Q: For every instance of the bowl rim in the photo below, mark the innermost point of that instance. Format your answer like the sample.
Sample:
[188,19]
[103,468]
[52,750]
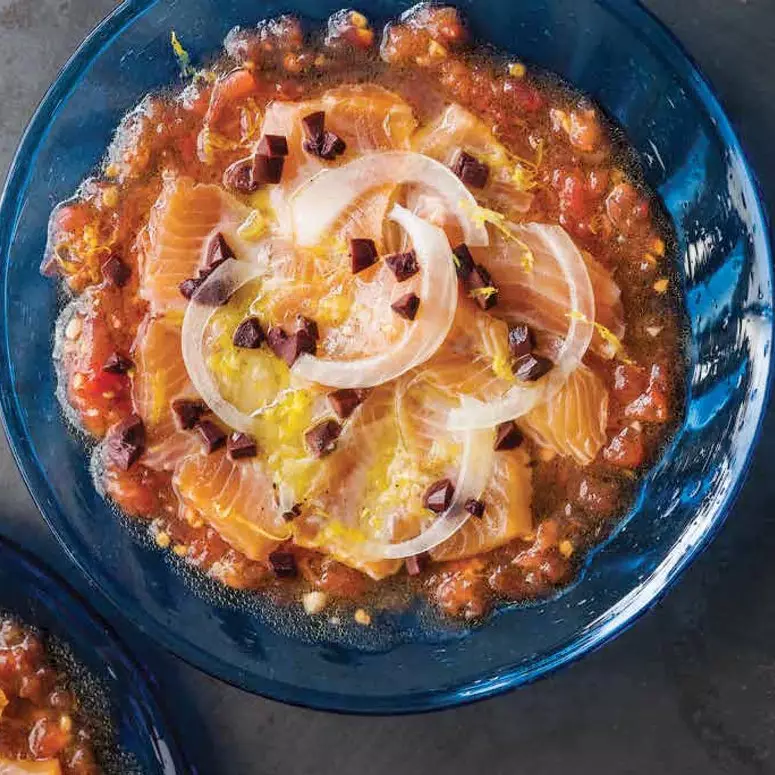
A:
[149,708]
[114,597]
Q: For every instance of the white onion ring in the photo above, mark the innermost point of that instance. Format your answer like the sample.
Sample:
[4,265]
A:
[476,464]
[316,205]
[438,302]
[521,399]
[232,275]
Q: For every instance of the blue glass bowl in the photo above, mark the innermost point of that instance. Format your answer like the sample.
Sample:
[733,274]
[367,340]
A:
[612,49]
[43,600]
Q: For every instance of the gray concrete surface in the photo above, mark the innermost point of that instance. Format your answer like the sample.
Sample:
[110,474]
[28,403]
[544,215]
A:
[689,691]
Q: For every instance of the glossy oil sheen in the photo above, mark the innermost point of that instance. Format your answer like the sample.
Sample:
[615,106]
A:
[42,600]
[611,49]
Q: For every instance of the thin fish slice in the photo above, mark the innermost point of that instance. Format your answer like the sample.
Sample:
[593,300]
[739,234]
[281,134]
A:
[507,512]
[234,498]
[366,117]
[159,378]
[319,283]
[457,129]
[183,220]
[532,288]
[573,422]
[424,401]
[437,288]
[474,361]
[332,519]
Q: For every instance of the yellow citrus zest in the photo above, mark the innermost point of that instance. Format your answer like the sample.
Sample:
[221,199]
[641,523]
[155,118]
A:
[606,335]
[482,215]
[184,60]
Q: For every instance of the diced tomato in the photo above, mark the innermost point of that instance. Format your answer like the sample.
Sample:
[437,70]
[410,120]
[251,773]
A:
[400,44]
[259,45]
[337,579]
[629,381]
[570,185]
[101,398]
[231,88]
[460,589]
[37,685]
[626,449]
[626,381]
[542,563]
[585,130]
[653,405]
[597,182]
[71,217]
[442,23]
[135,491]
[627,209]
[598,496]
[207,548]
[48,739]
[573,196]
[238,572]
[526,97]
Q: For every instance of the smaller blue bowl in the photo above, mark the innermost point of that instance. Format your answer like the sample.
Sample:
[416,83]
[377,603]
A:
[41,599]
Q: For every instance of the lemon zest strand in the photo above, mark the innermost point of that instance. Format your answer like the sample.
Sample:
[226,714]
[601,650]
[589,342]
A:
[184,60]
[484,293]
[483,215]
[606,335]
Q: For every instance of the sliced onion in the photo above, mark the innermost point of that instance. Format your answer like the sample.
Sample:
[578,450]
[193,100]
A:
[228,278]
[521,399]
[476,464]
[438,301]
[317,204]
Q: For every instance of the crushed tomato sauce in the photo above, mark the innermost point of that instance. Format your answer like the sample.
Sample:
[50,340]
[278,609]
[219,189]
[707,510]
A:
[40,717]
[565,161]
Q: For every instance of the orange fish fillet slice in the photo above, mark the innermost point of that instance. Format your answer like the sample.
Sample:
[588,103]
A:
[336,497]
[507,512]
[183,219]
[159,378]
[425,398]
[234,498]
[366,117]
[456,129]
[573,423]
[534,291]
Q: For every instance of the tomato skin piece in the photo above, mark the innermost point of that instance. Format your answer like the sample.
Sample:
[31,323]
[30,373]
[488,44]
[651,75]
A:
[524,96]
[333,577]
[627,209]
[653,405]
[626,449]
[47,739]
[71,217]
[236,85]
[134,491]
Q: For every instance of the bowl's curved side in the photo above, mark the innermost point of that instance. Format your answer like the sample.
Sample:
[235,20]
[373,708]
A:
[397,675]
[44,600]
